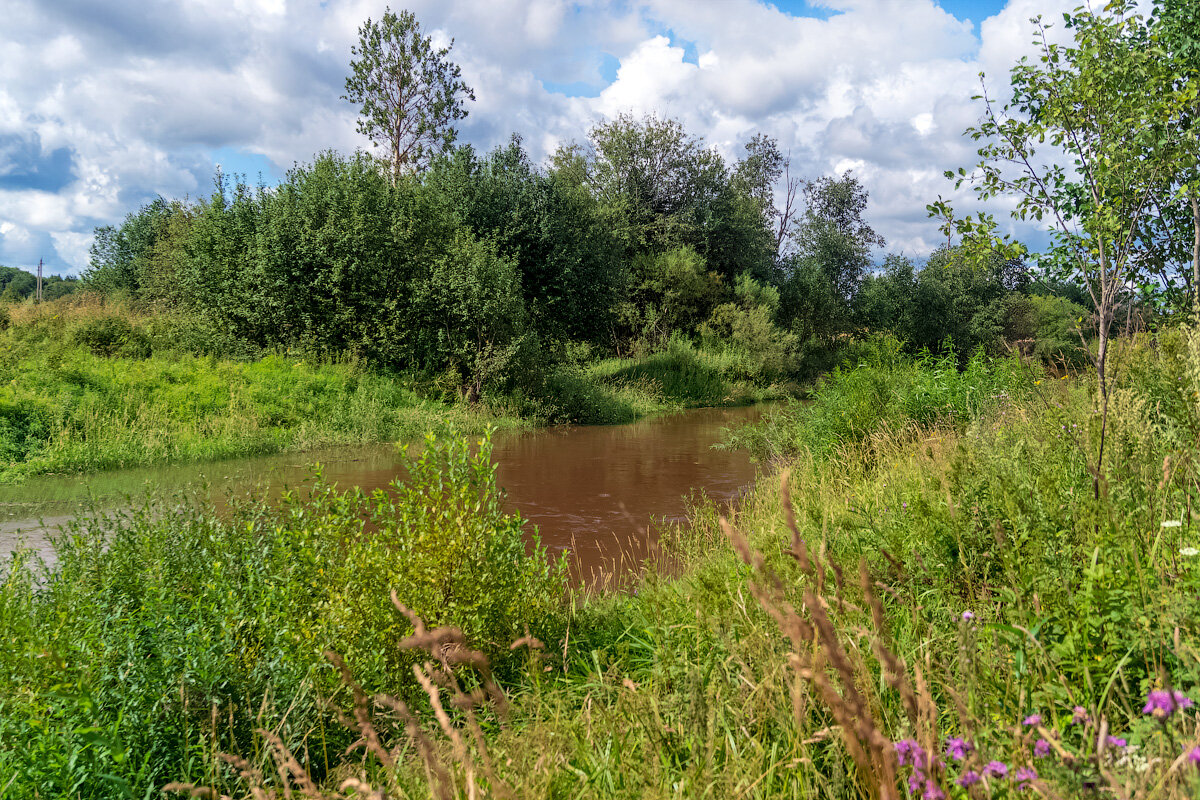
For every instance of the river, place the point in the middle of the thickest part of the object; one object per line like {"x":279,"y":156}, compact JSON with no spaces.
{"x":596,"y":491}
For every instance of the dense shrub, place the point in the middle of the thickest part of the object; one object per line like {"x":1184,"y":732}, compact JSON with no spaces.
{"x":168,"y":631}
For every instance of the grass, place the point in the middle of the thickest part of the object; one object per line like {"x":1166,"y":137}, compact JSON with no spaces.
{"x":86,"y":386}
{"x":786,"y":652}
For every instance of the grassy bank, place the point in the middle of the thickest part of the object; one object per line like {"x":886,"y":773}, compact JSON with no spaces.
{"x":87,"y":386}
{"x":1017,"y":597}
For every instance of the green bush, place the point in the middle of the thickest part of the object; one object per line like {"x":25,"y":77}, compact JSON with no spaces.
{"x":111,"y":335}
{"x":168,"y":633}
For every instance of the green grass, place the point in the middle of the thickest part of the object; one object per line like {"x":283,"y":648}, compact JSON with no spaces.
{"x":957,"y":491}
{"x":86,"y":387}
{"x":70,"y":410}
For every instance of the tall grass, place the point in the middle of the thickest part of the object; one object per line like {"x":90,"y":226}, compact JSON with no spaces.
{"x":938,"y":570}
{"x":926,"y":604}
{"x":166,"y":635}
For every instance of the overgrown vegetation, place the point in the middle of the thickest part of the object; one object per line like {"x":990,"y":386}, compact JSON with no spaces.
{"x":981,"y":576}
{"x":1007,"y":607}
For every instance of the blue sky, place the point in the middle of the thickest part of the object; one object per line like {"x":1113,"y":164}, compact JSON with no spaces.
{"x":103,"y":106}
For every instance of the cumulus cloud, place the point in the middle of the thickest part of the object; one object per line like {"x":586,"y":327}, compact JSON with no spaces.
{"x":103,"y":106}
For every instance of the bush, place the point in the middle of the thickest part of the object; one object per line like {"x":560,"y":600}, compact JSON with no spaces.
{"x":111,"y":335}
{"x":167,"y":632}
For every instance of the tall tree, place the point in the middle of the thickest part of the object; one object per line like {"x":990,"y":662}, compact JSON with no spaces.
{"x":1176,"y":28}
{"x":410,"y":94}
{"x":1086,"y":144}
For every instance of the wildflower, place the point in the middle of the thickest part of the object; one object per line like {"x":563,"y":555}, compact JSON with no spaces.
{"x":1033,"y":719}
{"x":1041,"y":748}
{"x":1117,"y":741}
{"x":909,"y":752}
{"x":997,"y":769}
{"x":916,"y":782}
{"x":1161,"y":704}
{"x":968,"y":616}
{"x":968,"y":778}
{"x":1194,"y":756}
{"x":1024,"y":776}
{"x":1172,"y":523}
{"x":932,"y":792}
{"x":957,"y":748}
{"x":1189,"y":551}
{"x":1079,"y":715}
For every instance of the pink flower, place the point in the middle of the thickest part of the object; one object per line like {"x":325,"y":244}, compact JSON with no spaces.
{"x":1024,"y":776}
{"x":1194,"y":756}
{"x":1033,"y":719}
{"x":1079,"y":715}
{"x":967,"y":616}
{"x":1041,"y":748}
{"x":997,"y":769}
{"x":909,"y":752}
{"x":1116,"y":741}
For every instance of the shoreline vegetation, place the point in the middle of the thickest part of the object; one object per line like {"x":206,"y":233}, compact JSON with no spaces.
{"x":971,"y":570}
{"x":1008,"y":611}
{"x":87,"y":385}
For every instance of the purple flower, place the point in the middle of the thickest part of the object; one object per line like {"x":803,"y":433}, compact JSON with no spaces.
{"x":1041,"y":748}
{"x":1117,"y":741}
{"x":1033,"y":719}
{"x":1024,"y":776}
{"x":968,"y":616}
{"x":909,"y":752}
{"x":1079,"y":715}
{"x":997,"y":769}
{"x":957,"y":748}
{"x":1194,"y":756}
{"x":916,"y":781}
{"x":968,"y":778}
{"x":1161,"y":704}
{"x":932,"y":792}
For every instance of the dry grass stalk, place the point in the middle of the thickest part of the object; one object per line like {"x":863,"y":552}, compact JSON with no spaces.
{"x":820,"y":656}
{"x":449,"y":649}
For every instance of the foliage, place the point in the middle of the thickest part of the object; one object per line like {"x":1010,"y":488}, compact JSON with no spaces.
{"x":171,"y":631}
{"x":955,"y":301}
{"x":571,"y":270}
{"x":19,"y":284}
{"x":672,"y":291}
{"x":1103,"y":101}
{"x":832,"y":251}
{"x":409,"y":92}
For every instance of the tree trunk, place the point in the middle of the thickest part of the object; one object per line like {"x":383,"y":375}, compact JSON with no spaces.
{"x":1195,"y":252}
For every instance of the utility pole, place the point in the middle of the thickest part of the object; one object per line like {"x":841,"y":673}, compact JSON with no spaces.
{"x":39,"y":281}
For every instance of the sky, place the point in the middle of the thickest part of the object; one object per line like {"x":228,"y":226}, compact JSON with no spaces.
{"x":106,"y":104}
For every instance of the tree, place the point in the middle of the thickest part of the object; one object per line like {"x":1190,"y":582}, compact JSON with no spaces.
{"x":409,"y":92}
{"x":758,"y":173}
{"x":832,"y":250}
{"x":1176,"y":28}
{"x":1100,"y":101}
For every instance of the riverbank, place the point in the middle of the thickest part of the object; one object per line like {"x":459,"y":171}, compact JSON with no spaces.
{"x":85,"y":387}
{"x":1007,"y":606}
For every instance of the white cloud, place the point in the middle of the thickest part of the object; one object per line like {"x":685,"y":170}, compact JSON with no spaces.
{"x":142,"y":94}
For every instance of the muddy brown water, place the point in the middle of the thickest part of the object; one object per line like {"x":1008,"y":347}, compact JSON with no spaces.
{"x":597,"y":492}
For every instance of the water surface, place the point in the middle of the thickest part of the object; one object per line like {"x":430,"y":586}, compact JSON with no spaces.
{"x":596,"y":491}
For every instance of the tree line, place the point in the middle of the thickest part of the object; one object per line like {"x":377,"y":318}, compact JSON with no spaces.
{"x":436,"y":258}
